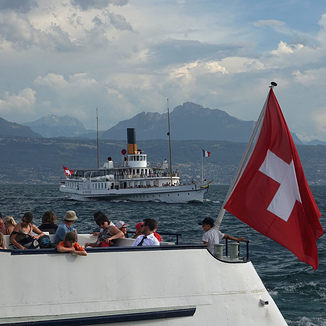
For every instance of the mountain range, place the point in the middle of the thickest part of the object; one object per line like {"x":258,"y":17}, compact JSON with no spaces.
{"x":189,"y":121}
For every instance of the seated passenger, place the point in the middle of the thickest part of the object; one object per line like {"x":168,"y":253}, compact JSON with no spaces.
{"x":10,"y":224}
{"x":96,"y":215}
{"x":48,"y":224}
{"x":69,"y":244}
{"x":2,"y":241}
{"x":3,"y":229}
{"x":66,"y":226}
{"x":22,"y":237}
{"x":122,"y":226}
{"x":147,"y":237}
{"x":108,"y":233}
{"x":139,"y":232}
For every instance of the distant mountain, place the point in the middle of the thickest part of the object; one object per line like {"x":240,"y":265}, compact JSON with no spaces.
{"x":14,"y":129}
{"x":53,"y":126}
{"x":189,"y":121}
{"x":316,"y":142}
{"x":296,"y":139}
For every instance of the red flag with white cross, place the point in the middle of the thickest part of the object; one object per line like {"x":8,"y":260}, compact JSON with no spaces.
{"x":67,"y":171}
{"x":272,"y":194}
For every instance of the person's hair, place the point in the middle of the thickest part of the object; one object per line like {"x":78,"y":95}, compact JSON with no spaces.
{"x":2,"y":241}
{"x":28,"y":216}
{"x":151,"y":223}
{"x":0,"y":215}
{"x":9,"y":219}
{"x":101,"y":219}
{"x":49,"y":217}
{"x":97,"y":214}
{"x":71,"y":237}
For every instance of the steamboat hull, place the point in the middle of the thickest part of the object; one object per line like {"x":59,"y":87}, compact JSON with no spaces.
{"x":174,"y":194}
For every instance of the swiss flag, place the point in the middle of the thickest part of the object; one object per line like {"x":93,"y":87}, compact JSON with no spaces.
{"x":272,"y":195}
{"x":67,"y":171}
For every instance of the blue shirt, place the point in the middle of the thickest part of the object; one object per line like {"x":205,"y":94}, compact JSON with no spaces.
{"x":61,"y":232}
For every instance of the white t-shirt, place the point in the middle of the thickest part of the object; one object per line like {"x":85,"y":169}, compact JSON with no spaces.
{"x":212,"y":237}
{"x":149,"y":241}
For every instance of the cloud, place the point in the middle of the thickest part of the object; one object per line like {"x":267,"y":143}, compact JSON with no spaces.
{"x":58,"y":82}
{"x":319,"y":118}
{"x":20,"y":104}
{"x":18,"y":5}
{"x":284,"y":48}
{"x":270,"y":23}
{"x":97,"y":4}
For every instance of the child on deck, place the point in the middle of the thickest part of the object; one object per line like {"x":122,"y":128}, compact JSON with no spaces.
{"x":70,"y":245}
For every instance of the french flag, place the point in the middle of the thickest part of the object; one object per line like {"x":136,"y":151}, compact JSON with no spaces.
{"x":206,"y":154}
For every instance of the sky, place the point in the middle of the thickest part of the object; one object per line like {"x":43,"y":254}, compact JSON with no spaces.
{"x":123,"y":57}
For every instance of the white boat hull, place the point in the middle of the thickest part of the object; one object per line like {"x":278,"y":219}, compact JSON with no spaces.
{"x":171,"y":286}
{"x":174,"y":194}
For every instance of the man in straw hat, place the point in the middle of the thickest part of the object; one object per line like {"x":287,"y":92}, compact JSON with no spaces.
{"x":66,"y":226}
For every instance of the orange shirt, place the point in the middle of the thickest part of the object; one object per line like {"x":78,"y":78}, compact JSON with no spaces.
{"x":76,"y":246}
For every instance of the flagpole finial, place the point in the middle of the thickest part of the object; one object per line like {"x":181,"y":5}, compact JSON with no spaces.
{"x":273,"y":84}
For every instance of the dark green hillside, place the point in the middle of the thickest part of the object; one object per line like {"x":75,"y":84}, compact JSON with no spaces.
{"x":40,"y":160}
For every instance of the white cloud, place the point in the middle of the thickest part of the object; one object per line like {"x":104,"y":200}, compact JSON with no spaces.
{"x":18,"y":104}
{"x":53,"y":81}
{"x":261,"y":23}
{"x":284,"y":48}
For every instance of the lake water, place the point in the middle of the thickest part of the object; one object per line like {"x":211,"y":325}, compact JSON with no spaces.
{"x":299,"y":292}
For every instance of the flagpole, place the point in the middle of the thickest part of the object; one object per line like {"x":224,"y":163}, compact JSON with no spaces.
{"x":202,"y":166}
{"x":98,"y":154}
{"x":242,"y":164}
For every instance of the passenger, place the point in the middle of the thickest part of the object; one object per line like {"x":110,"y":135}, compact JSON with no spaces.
{"x":48,"y":224}
{"x":3,"y":229}
{"x":213,"y":236}
{"x":96,"y":215}
{"x":122,"y":226}
{"x":69,"y":244}
{"x":2,"y":241}
{"x":147,"y":237}
{"x":66,"y":226}
{"x":22,"y":237}
{"x":108,"y":233}
{"x":10,"y":224}
{"x":139,"y":232}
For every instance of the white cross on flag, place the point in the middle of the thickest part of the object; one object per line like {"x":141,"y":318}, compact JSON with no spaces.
{"x":272,"y":195}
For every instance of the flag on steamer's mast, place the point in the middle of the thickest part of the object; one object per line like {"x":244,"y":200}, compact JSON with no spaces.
{"x":67,"y":171}
{"x":206,"y":153}
{"x":272,"y":194}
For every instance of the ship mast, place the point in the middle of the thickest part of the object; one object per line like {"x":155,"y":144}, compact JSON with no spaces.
{"x":169,"y":134}
{"x":98,"y":154}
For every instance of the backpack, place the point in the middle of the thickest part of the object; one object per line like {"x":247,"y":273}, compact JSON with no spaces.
{"x":45,"y":241}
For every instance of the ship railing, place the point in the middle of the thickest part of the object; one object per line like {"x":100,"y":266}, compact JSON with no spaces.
{"x":232,"y":249}
{"x":142,"y":176}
